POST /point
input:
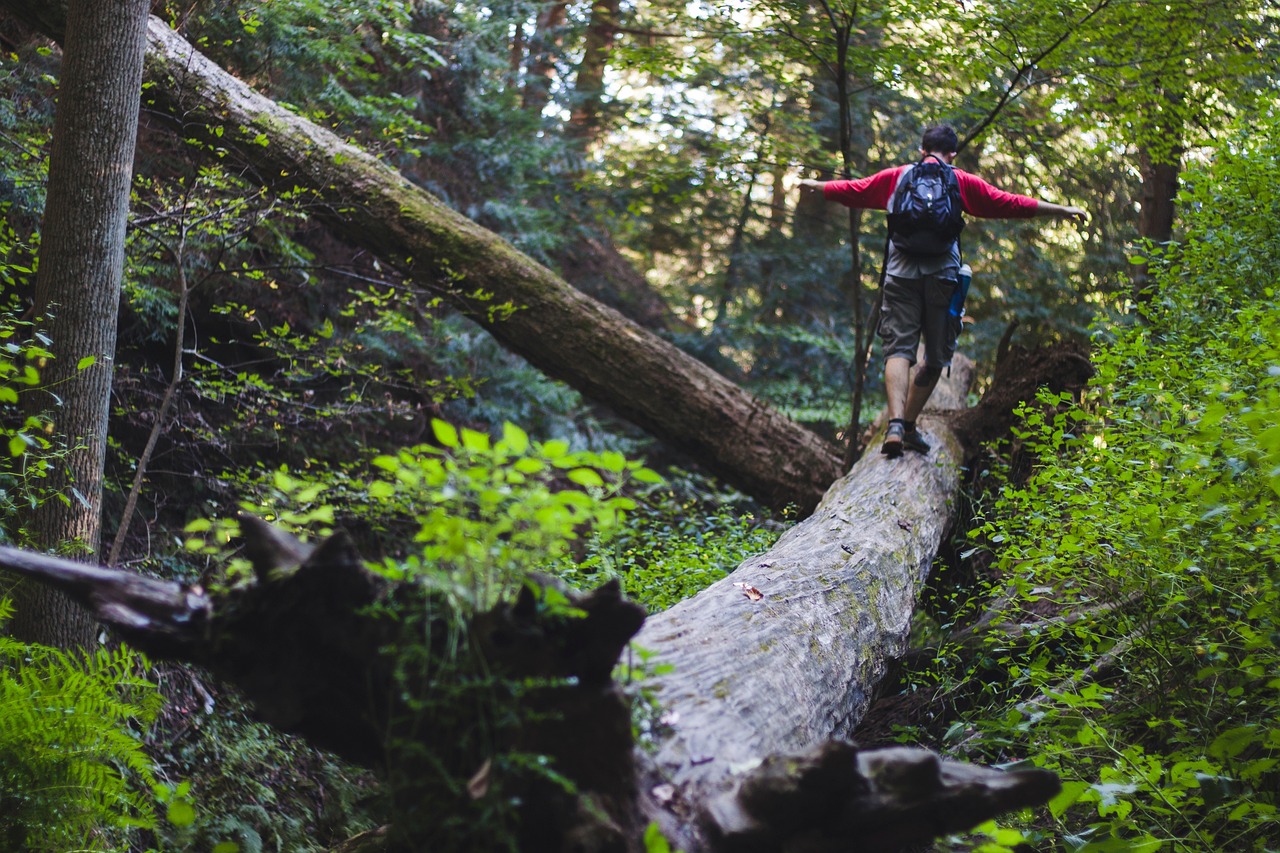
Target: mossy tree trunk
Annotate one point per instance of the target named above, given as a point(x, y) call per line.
point(533, 312)
point(77, 290)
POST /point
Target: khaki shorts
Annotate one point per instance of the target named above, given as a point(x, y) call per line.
point(919, 306)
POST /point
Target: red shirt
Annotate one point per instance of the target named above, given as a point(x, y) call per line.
point(978, 197)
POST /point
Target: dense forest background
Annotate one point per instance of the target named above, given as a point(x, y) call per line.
point(1108, 609)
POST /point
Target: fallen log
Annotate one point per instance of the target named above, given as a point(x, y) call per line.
point(783, 655)
point(774, 667)
point(533, 312)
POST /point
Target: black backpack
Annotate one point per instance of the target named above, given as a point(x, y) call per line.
point(927, 212)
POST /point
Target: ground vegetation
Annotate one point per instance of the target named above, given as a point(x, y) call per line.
point(1107, 611)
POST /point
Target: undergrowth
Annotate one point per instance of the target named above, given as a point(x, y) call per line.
point(1132, 617)
point(73, 774)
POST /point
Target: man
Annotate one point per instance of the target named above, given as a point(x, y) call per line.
point(918, 287)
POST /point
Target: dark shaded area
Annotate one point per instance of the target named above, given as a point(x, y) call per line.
point(1019, 375)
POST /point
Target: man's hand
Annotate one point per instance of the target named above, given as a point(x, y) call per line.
point(811, 184)
point(1061, 211)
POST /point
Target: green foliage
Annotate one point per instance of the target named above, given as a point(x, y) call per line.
point(333, 61)
point(463, 522)
point(73, 774)
point(26, 122)
point(26, 447)
point(254, 790)
point(491, 511)
point(669, 550)
point(1138, 566)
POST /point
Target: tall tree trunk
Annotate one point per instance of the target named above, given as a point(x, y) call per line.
point(543, 48)
point(585, 121)
point(77, 290)
point(1155, 219)
point(778, 198)
point(1160, 164)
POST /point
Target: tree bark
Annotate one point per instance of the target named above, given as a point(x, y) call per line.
point(588, 86)
point(837, 593)
point(1156, 217)
point(77, 289)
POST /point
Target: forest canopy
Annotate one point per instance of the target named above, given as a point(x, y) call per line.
point(1106, 604)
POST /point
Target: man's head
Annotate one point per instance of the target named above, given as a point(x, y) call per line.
point(940, 139)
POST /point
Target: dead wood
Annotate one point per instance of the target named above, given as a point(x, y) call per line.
point(307, 646)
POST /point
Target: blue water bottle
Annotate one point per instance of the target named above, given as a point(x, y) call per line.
point(963, 278)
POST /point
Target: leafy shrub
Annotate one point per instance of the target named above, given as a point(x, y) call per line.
point(1138, 619)
point(462, 522)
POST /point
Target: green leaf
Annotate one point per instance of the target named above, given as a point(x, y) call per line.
point(381, 490)
point(445, 432)
point(181, 813)
point(283, 481)
point(1232, 742)
point(611, 460)
point(87, 361)
point(1070, 793)
point(386, 463)
point(476, 442)
point(654, 840)
point(586, 477)
point(309, 493)
point(8, 395)
point(514, 439)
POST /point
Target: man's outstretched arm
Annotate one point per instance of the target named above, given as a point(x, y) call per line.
point(872, 191)
point(1060, 211)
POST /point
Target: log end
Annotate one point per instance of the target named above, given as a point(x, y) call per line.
point(881, 799)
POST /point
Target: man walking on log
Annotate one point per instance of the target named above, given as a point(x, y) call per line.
point(925, 201)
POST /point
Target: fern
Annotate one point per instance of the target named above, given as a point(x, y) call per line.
point(73, 775)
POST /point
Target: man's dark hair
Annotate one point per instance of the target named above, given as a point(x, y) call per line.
point(940, 139)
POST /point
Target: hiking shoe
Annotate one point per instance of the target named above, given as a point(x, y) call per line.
point(913, 440)
point(893, 440)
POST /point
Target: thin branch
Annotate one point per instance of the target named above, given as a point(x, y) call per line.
point(166, 404)
point(1009, 92)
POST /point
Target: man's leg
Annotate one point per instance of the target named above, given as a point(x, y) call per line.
point(899, 328)
point(926, 379)
point(897, 371)
point(940, 330)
